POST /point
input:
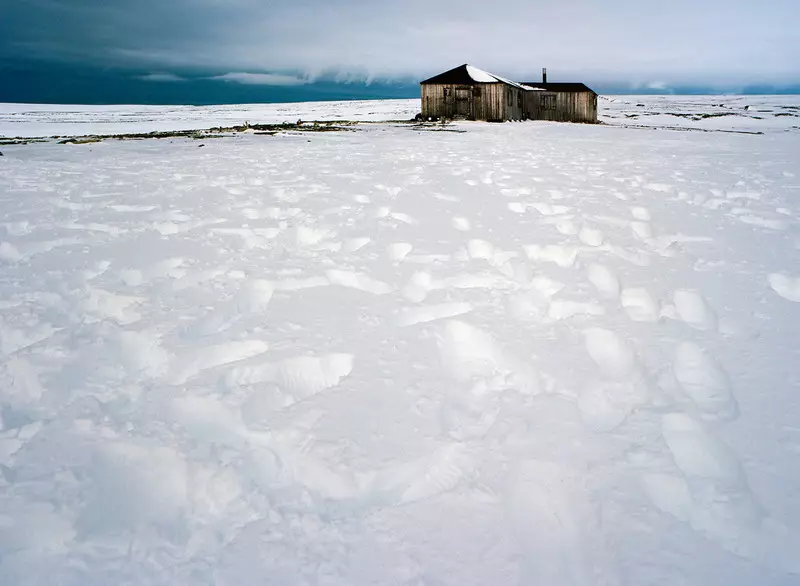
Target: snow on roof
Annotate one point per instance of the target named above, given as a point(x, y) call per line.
point(480, 75)
point(467, 74)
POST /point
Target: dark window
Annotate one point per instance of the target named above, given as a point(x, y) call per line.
point(519, 99)
point(476, 91)
point(548, 102)
point(510, 98)
point(445, 92)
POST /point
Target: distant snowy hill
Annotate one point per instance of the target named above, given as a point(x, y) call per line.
point(464, 355)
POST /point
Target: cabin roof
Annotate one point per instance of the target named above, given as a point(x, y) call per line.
point(467, 74)
point(559, 86)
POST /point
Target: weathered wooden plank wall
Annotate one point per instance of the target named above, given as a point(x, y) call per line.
point(561, 106)
point(497, 102)
point(486, 101)
point(515, 103)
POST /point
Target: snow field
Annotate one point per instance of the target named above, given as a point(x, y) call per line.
point(753, 114)
point(552, 354)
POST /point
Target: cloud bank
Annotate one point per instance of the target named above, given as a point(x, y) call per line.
point(293, 41)
point(260, 79)
point(162, 77)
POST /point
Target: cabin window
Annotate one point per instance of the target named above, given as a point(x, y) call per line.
point(519, 99)
point(476, 91)
point(548, 102)
point(444, 91)
point(510, 98)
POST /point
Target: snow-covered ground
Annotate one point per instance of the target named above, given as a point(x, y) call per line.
point(30, 120)
point(710, 113)
point(739, 113)
point(485, 354)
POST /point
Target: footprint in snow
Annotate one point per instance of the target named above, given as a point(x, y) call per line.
point(301, 376)
point(713, 496)
point(705, 382)
point(641, 214)
point(642, 231)
point(557, 526)
point(694, 310)
point(604, 405)
point(604, 280)
point(468, 353)
point(563, 256)
point(591, 236)
point(561, 309)
point(612, 354)
point(422, 478)
point(640, 305)
point(703, 458)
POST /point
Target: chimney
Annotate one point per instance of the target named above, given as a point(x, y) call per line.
point(544, 74)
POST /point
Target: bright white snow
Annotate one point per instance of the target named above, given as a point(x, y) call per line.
point(480, 75)
point(27, 120)
point(513, 354)
point(737, 113)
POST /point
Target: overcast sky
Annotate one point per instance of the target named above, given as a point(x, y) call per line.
point(289, 42)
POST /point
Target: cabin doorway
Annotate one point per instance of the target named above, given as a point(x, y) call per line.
point(463, 102)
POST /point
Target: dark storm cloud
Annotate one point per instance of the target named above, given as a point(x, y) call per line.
point(644, 42)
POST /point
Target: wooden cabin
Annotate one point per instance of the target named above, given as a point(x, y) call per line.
point(562, 102)
point(470, 93)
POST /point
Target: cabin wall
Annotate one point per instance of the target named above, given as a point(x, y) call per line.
point(514, 103)
point(498, 102)
point(490, 102)
point(479, 101)
point(561, 106)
